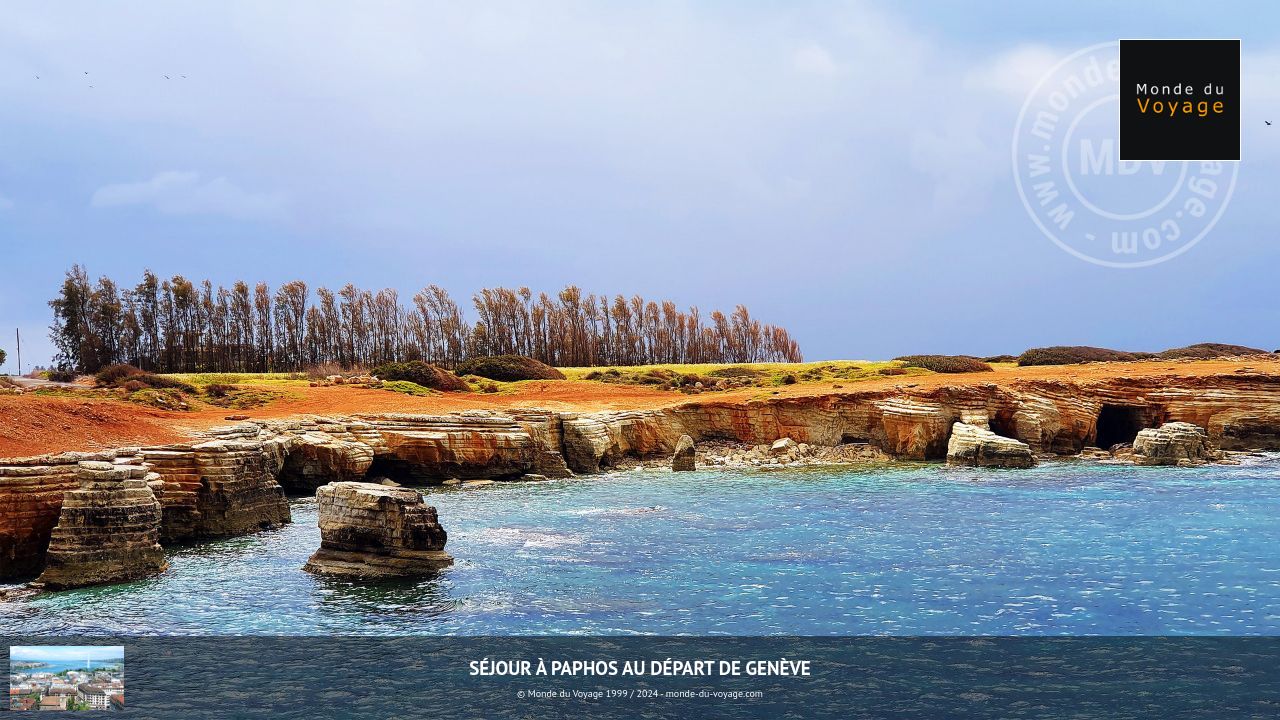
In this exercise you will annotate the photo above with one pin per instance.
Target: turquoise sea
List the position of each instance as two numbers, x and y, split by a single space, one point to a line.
1067 548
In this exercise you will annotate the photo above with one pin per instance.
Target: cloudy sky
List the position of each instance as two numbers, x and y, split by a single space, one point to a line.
65 653
841 168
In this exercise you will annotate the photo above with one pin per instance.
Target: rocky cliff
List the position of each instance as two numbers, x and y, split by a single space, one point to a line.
234 480
108 529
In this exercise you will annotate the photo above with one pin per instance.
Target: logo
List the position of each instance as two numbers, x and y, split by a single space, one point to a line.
1180 99
1083 197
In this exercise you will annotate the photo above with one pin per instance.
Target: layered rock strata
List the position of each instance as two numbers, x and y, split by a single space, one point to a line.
31 493
979 447
220 488
108 529
1175 443
428 449
370 531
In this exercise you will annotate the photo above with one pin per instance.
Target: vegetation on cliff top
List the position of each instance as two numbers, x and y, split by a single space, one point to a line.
509 368
686 377
1074 354
945 363
422 374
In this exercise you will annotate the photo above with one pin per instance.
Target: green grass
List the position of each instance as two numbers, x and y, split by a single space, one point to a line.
408 388
279 380
761 374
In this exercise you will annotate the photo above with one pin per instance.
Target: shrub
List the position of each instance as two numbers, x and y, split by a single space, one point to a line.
61 375
893 371
115 375
218 390
133 379
1000 359
163 399
1210 350
508 368
1073 354
162 382
788 379
737 371
420 373
945 363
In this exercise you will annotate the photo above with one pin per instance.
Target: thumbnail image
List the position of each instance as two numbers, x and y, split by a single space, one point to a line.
66 677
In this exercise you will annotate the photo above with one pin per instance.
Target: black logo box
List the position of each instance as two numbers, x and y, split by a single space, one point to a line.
1186 65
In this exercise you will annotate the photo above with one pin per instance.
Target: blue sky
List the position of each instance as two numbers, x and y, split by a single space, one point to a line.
841 168
65 653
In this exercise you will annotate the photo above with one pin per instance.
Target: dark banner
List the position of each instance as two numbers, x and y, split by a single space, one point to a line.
632 677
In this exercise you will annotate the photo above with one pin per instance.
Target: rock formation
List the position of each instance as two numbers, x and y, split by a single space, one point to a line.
316 459
683 459
229 482
373 531
1175 443
220 488
783 446
31 492
108 530
429 449
978 447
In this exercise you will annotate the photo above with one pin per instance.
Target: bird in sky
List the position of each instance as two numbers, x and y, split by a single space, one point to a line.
166 77
1267 122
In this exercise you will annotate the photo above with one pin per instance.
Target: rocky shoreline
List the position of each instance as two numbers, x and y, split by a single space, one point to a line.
234 479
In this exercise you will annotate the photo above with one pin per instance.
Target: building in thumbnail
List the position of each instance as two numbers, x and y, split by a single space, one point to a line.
93 696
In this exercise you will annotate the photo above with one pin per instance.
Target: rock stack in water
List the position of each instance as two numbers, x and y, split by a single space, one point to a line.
979 447
1175 443
683 459
373 531
108 531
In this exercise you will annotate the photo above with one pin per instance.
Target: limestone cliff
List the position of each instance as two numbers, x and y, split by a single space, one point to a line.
108 529
234 479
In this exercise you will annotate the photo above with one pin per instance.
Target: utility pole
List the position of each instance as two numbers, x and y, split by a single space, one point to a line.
18 334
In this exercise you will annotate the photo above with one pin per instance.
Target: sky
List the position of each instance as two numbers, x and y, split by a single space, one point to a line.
841 168
65 653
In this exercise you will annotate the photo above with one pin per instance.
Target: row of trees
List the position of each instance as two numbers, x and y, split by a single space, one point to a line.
177 325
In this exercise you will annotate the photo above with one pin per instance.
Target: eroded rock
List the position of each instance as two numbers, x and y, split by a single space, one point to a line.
373 531
108 529
1175 443
978 447
683 459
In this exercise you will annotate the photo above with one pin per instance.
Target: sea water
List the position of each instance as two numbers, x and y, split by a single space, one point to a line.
1066 548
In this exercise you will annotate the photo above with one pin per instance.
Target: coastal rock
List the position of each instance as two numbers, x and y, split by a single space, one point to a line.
220 488
372 531
597 441
978 447
683 459
432 448
783 446
31 493
1175 443
108 529
315 459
